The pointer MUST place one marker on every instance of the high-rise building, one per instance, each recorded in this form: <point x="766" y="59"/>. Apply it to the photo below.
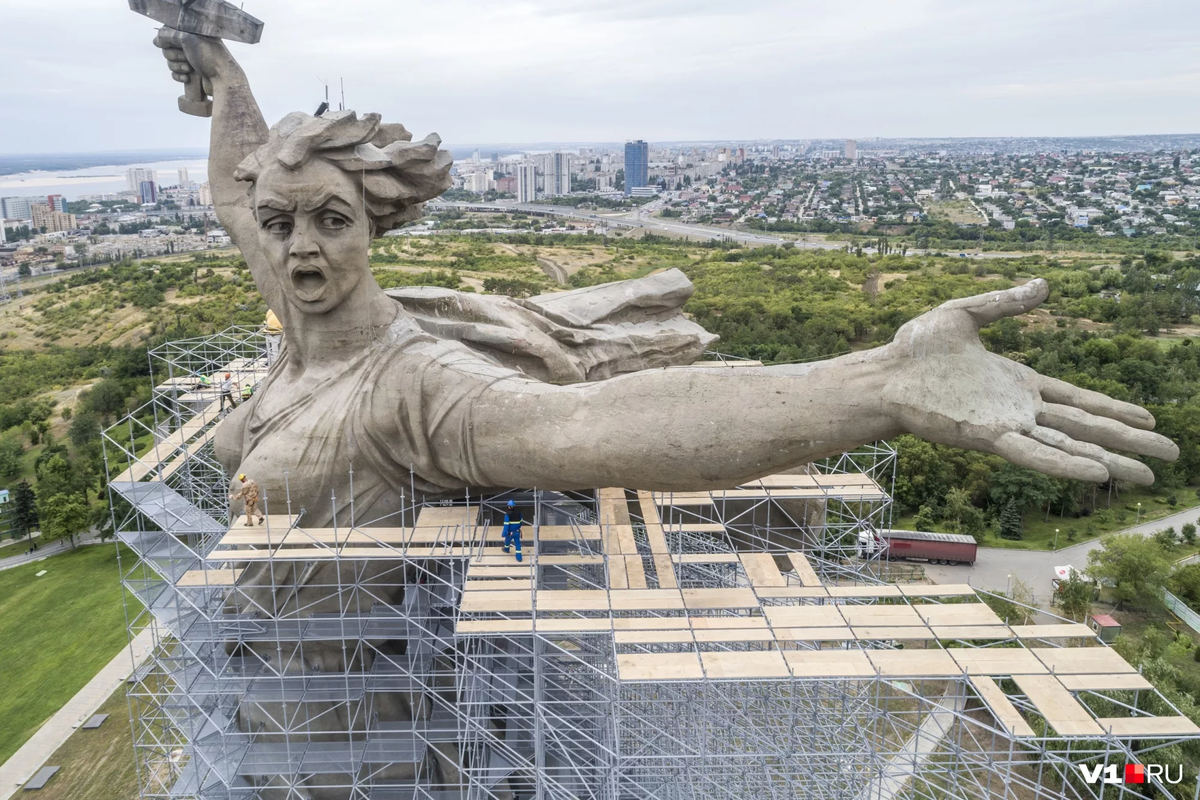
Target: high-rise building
<point x="136" y="176"/>
<point x="184" y="182"/>
<point x="526" y="183"/>
<point x="206" y="198"/>
<point x="558" y="174"/>
<point x="50" y="220"/>
<point x="148" y="192"/>
<point x="57" y="202"/>
<point x="637" y="165"/>
<point x="18" y="207"/>
<point x="851" y="149"/>
<point x="3" y="232"/>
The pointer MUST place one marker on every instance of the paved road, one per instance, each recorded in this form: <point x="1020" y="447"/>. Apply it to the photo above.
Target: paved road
<point x="46" y="551"/>
<point x="1036" y="567"/>
<point x="33" y="754"/>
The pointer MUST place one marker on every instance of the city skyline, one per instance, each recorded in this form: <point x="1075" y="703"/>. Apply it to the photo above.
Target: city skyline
<point x="795" y="69"/>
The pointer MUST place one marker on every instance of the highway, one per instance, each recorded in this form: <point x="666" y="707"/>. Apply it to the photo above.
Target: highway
<point x="631" y="220"/>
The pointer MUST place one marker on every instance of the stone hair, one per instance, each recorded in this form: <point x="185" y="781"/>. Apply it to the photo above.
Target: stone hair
<point x="398" y="175"/>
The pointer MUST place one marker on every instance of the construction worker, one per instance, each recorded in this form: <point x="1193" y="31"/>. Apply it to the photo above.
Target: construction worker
<point x="512" y="528"/>
<point x="249" y="494"/>
<point x="227" y="387"/>
<point x="247" y="392"/>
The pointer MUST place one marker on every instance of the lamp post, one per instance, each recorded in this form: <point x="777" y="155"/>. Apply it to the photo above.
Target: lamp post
<point x="1055" y="539"/>
<point x="1139" y="514"/>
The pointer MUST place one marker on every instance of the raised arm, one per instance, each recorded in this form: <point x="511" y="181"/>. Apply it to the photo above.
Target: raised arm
<point x="238" y="128"/>
<point x="700" y="428"/>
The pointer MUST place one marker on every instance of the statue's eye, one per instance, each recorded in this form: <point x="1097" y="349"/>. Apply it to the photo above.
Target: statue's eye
<point x="279" y="226"/>
<point x="334" y="222"/>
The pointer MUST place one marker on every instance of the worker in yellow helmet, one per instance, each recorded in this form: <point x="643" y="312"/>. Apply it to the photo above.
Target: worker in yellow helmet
<point x="249" y="494"/>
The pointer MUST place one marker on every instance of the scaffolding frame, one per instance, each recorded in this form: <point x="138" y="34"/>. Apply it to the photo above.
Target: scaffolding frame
<point x="664" y="646"/>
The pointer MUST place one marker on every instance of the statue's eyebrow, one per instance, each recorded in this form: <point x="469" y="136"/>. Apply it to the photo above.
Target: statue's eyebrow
<point x="324" y="198"/>
<point x="276" y="203"/>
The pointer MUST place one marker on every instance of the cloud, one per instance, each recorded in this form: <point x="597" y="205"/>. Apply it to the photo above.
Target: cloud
<point x="87" y="78"/>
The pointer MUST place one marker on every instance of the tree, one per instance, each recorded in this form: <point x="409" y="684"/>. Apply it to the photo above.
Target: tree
<point x="1135" y="566"/>
<point x="1075" y="596"/>
<point x="24" y="508"/>
<point x="1023" y="487"/>
<point x="11" y="450"/>
<point x="1010" y="521"/>
<point x="962" y="515"/>
<point x="1188" y="532"/>
<point x="63" y="516"/>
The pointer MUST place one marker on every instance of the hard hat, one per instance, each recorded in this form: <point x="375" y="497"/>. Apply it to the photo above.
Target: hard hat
<point x="511" y="504"/>
<point x="242" y="477"/>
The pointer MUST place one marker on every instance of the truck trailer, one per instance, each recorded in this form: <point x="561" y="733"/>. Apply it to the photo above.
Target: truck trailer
<point x="936" y="548"/>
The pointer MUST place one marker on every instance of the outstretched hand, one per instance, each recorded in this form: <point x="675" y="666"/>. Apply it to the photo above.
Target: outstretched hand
<point x="949" y="389"/>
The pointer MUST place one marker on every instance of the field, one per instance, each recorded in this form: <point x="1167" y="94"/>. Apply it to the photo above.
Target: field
<point x="960" y="212"/>
<point x="57" y="630"/>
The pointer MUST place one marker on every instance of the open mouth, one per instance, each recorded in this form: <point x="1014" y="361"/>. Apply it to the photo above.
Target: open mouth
<point x="309" y="283"/>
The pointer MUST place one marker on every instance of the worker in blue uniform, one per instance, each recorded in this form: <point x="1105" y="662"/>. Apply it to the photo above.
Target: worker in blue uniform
<point x="512" y="528"/>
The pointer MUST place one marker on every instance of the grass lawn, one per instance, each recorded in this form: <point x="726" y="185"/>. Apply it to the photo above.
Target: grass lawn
<point x="56" y="632"/>
<point x="1039" y="532"/>
<point x="97" y="765"/>
<point x="1135" y="624"/>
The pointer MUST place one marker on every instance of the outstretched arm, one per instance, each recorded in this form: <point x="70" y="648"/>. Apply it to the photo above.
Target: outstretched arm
<point x="238" y="128"/>
<point x="699" y="428"/>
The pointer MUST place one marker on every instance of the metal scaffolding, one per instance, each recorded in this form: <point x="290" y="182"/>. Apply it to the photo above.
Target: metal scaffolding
<point x="734" y="644"/>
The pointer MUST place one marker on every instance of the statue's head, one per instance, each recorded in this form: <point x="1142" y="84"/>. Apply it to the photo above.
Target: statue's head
<point x="323" y="187"/>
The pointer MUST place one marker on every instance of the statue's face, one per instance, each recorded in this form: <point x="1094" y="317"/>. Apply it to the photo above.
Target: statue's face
<point x="314" y="232"/>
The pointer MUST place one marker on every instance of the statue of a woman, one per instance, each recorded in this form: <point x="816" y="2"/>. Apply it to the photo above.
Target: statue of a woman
<point x="471" y="392"/>
<point x="361" y="382"/>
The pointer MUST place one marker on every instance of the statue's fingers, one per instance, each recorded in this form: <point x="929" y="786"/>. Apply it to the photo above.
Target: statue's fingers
<point x="1055" y="391"/>
<point x="1119" y="467"/>
<point x="181" y="67"/>
<point x="988" y="308"/>
<point x="180" y="77"/>
<point x="168" y="37"/>
<point x="1025" y="452"/>
<point x="1108" y="433"/>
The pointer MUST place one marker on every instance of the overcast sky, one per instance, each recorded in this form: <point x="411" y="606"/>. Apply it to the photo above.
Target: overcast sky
<point x="82" y="75"/>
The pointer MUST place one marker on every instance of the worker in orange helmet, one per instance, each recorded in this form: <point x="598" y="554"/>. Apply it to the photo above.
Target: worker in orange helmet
<point x="249" y="494"/>
<point x="227" y="387"/>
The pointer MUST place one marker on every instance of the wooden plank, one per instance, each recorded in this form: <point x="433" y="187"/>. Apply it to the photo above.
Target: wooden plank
<point x="721" y="623"/>
<point x="653" y="637"/>
<point x="864" y="591"/>
<point x="648" y="508"/>
<point x="761" y="570"/>
<point x="881" y="616"/>
<point x="635" y="572"/>
<point x="658" y="666"/>
<point x="893" y="633"/>
<point x="719" y="598"/>
<point x="804" y="569"/>
<point x="694" y="527"/>
<point x="705" y="558"/>
<point x="804" y="616"/>
<point x="1082" y="660"/>
<point x="752" y="664"/>
<point x="574" y="624"/>
<point x="1104" y="683"/>
<point x="209" y="577"/>
<point x="957" y="614"/>
<point x="572" y="600"/>
<point x="1059" y="630"/>
<point x="1001" y="707"/>
<point x="566" y="533"/>
<point x="649" y="623"/>
<point x="829" y="664"/>
<point x="500" y="584"/>
<point x="940" y="590"/>
<point x="297" y="554"/>
<point x="496" y="602"/>
<point x="571" y="560"/>
<point x="646" y="600"/>
<point x="683" y="499"/>
<point x="914" y="663"/>
<point x="664" y="570"/>
<point x="448" y="517"/>
<point x="1062" y="711"/>
<point x="622" y="535"/>
<point x="1149" y="727"/>
<point x="997" y="661"/>
<point x="519" y="571"/>
<point x="793" y="591"/>
<point x="734" y="635"/>
<point x="840" y="634"/>
<point x="618" y="577"/>
<point x="469" y="626"/>
<point x="967" y="632"/>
